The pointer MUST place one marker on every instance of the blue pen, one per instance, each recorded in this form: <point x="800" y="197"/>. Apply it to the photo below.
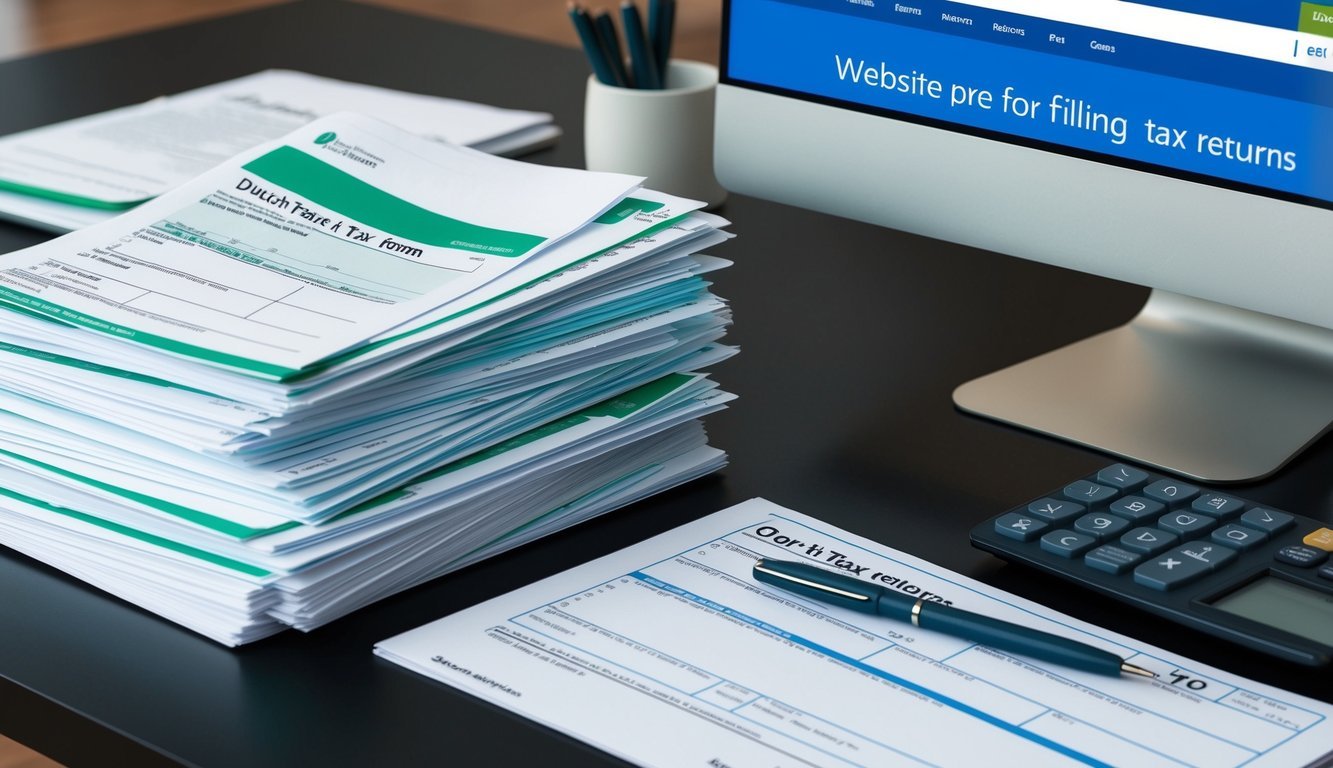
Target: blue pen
<point x="640" y="54"/>
<point x="838" y="589"/>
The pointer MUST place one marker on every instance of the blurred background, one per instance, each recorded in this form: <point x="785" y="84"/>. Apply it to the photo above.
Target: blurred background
<point x="34" y="26"/>
<point x="29" y="26"/>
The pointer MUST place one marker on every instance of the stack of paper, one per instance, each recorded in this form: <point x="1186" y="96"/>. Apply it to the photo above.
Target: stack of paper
<point x="343" y="363"/>
<point x="81" y="172"/>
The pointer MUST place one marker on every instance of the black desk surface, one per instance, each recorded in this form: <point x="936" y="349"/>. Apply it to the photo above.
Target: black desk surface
<point x="853" y="338"/>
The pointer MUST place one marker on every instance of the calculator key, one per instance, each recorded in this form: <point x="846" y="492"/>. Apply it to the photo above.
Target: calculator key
<point x="1148" y="541"/>
<point x="1021" y="527"/>
<point x="1296" y="554"/>
<point x="1186" y="524"/>
<point x="1172" y="493"/>
<point x="1217" y="505"/>
<point x="1066" y="543"/>
<point x="1168" y="571"/>
<point x="1269" y="521"/>
<point x="1137" y="509"/>
<point x="1101" y="526"/>
<point x="1326" y="572"/>
<point x="1055" y="511"/>
<point x="1320" y="539"/>
<point x="1239" y="537"/>
<point x="1213" y="555"/>
<point x="1111" y="559"/>
<point x="1091" y="494"/>
<point x="1123" y="477"/>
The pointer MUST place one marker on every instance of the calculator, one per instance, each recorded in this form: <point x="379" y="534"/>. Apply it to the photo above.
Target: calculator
<point x="1218" y="563"/>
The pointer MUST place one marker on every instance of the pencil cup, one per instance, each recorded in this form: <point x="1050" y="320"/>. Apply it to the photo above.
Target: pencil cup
<point x="665" y="135"/>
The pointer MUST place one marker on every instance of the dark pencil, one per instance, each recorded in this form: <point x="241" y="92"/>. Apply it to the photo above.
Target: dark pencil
<point x="640" y="53"/>
<point x="661" y="23"/>
<point x="588" y="36"/>
<point x="606" y="33"/>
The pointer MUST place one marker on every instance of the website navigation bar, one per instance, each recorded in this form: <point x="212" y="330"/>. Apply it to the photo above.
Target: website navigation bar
<point x="1304" y="71"/>
<point x="1072" y="87"/>
<point x="1172" y="26"/>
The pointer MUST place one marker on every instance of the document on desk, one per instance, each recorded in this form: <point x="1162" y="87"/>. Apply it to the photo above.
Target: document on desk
<point x="77" y="173"/>
<point x="669" y="653"/>
<point x="301" y="248"/>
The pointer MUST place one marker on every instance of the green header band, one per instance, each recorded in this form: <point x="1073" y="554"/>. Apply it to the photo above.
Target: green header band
<point x="68" y="199"/>
<point x="143" y="536"/>
<point x="104" y="370"/>
<point x="341" y="192"/>
<point x="1316" y="19"/>
<point x="33" y="304"/>
<point x="212" y="522"/>
<point x="626" y="208"/>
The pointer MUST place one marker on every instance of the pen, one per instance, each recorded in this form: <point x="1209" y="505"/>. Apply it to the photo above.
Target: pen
<point x="847" y="592"/>
<point x="640" y="54"/>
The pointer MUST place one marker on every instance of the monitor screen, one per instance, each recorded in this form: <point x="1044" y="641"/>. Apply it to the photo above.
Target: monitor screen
<point x="1181" y="145"/>
<point x="1233" y="93"/>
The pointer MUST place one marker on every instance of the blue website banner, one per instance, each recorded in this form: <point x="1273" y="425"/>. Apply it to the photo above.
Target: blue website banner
<point x="1092" y="44"/>
<point x="1202" y="128"/>
<point x="1282" y="14"/>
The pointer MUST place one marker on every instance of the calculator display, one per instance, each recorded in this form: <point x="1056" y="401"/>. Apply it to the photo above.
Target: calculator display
<point x="1283" y="605"/>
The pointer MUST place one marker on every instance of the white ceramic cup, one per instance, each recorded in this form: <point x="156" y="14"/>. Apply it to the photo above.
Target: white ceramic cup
<point x="665" y="135"/>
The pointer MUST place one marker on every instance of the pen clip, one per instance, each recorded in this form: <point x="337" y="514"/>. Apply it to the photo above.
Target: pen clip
<point x="780" y="575"/>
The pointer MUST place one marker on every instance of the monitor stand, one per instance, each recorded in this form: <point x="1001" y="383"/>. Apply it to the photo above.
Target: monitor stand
<point x="1196" y="388"/>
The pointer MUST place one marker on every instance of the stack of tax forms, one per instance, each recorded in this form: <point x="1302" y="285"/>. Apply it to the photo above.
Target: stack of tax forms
<point x="343" y="363"/>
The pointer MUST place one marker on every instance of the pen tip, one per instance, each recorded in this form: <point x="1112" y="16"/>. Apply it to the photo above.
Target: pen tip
<point x="1132" y="669"/>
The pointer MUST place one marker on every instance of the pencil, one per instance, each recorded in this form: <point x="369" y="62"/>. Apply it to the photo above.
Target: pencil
<point x="640" y="54"/>
<point x="606" y="34"/>
<point x="661" y="20"/>
<point x="601" y="68"/>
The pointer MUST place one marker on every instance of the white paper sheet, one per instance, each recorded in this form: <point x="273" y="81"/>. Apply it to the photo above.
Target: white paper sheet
<point x="127" y="155"/>
<point x="669" y="653"/>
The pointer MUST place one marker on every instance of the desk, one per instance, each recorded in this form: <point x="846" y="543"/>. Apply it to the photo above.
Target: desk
<point x="853" y="338"/>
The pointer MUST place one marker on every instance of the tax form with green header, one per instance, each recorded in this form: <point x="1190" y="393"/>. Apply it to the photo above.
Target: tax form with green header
<point x="83" y="171"/>
<point x="301" y="249"/>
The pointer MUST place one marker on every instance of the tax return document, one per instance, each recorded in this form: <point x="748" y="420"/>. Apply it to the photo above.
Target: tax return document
<point x="80" y="172"/>
<point x="669" y="653"/>
<point x="304" y="247"/>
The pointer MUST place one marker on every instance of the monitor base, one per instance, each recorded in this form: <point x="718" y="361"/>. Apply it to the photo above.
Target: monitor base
<point x="1195" y="388"/>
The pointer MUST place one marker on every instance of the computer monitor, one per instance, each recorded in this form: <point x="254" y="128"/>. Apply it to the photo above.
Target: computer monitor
<point x="1183" y="145"/>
